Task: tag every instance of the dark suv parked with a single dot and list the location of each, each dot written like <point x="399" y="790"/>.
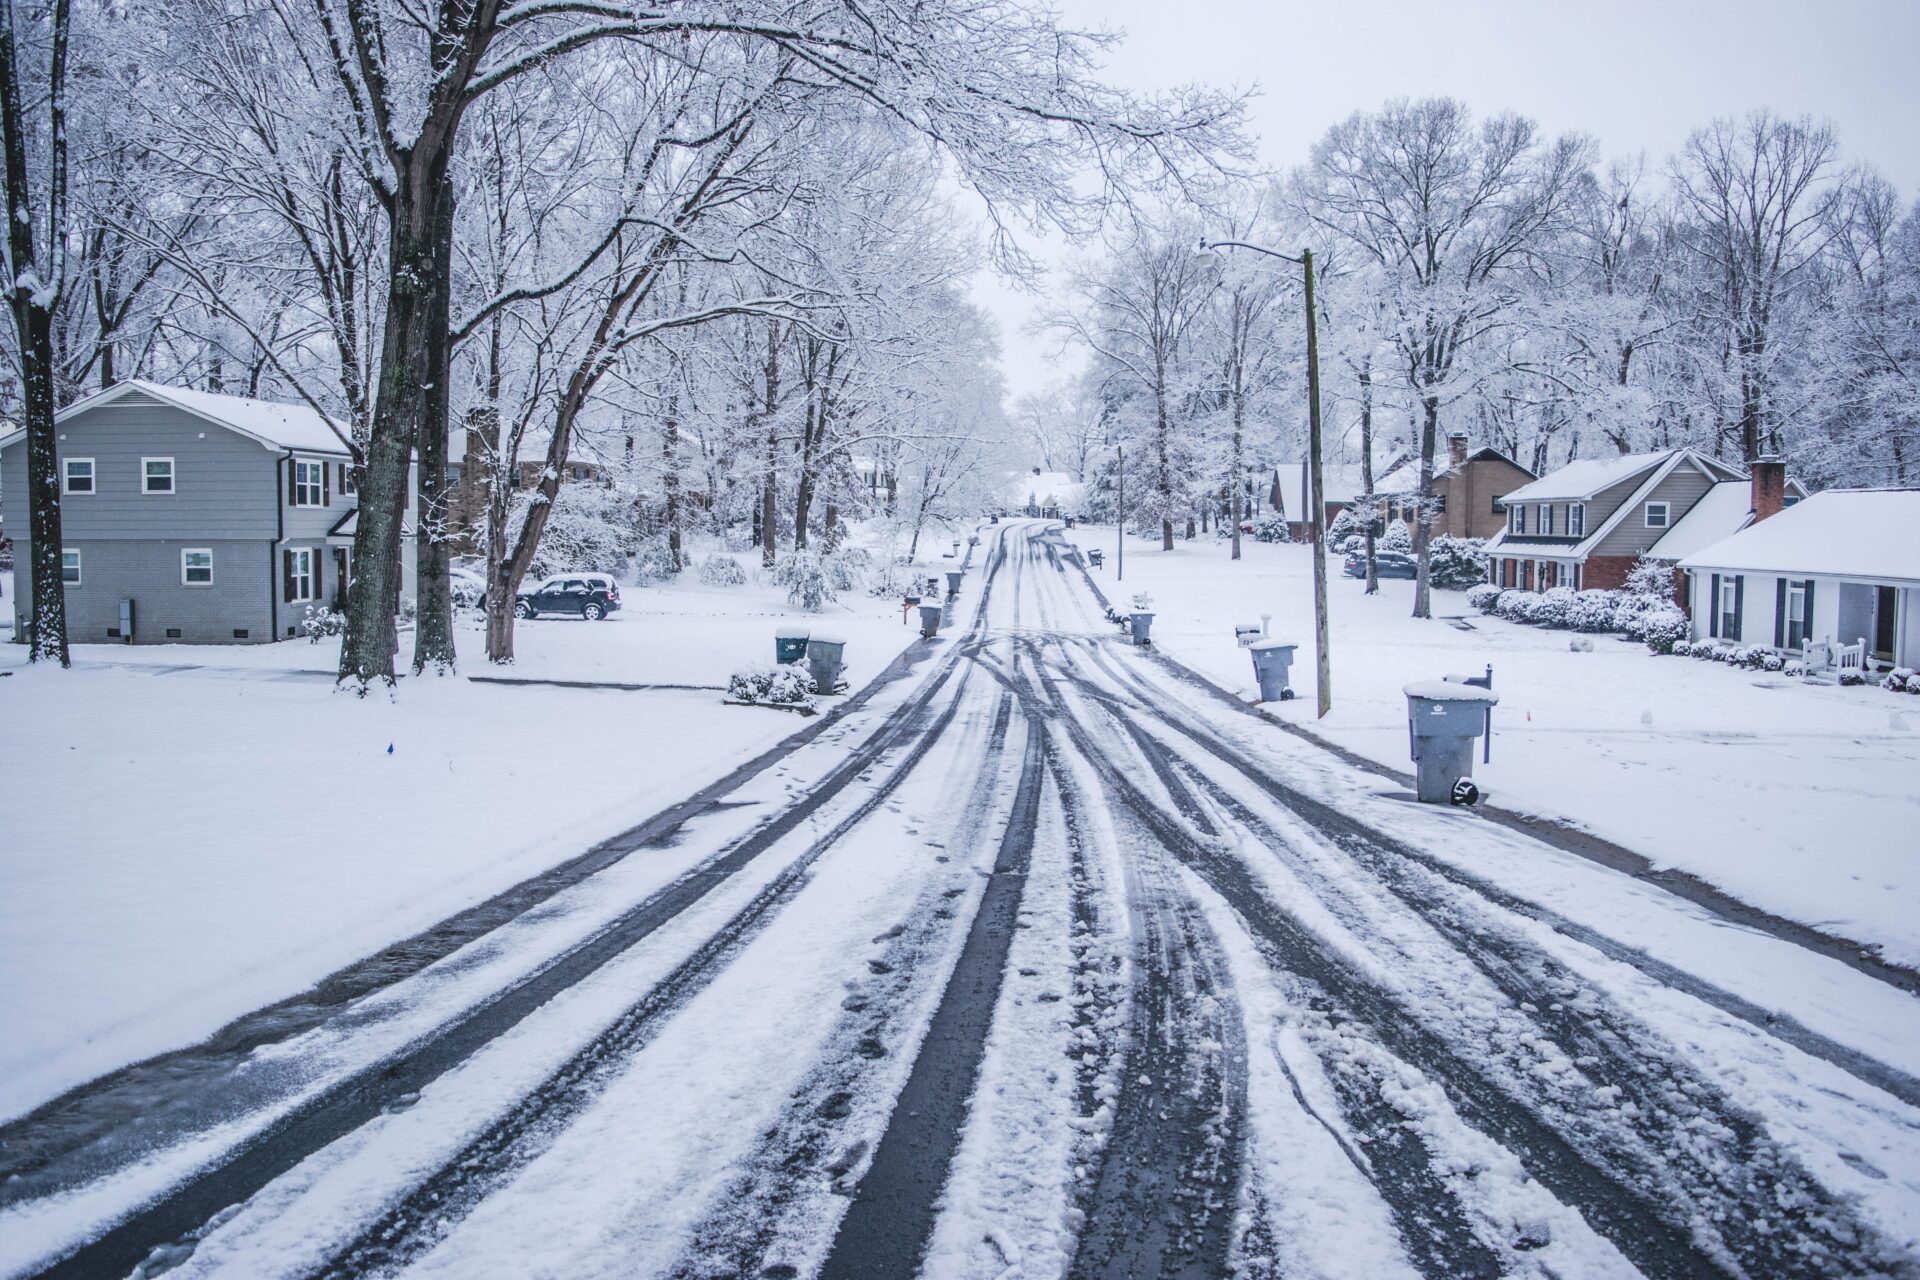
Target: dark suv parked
<point x="1387" y="564"/>
<point x="589" y="595"/>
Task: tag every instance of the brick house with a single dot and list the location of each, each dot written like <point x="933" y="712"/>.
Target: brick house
<point x="1585" y="524"/>
<point x="1467" y="490"/>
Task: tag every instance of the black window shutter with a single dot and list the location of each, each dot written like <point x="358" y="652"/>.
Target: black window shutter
<point x="1739" y="604"/>
<point x="1713" y="609"/>
<point x="293" y="482"/>
<point x="1780" y="614"/>
<point x="326" y="487"/>
<point x="319" y="559"/>
<point x="1806" y="626"/>
<point x="286" y="576"/>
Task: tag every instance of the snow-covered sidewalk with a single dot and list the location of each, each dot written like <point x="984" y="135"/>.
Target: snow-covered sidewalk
<point x="1801" y="800"/>
<point x="189" y="833"/>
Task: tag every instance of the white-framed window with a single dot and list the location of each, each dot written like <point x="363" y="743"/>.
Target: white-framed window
<point x="309" y="479"/>
<point x="156" y="475"/>
<point x="69" y="566"/>
<point x="76" y="475"/>
<point x="1546" y="520"/>
<point x="196" y="567"/>
<point x="1516" y="520"/>
<point x="348" y="486"/>
<point x="1576" y="520"/>
<point x="1730" y="608"/>
<point x="300" y="574"/>
<point x="1796" y="624"/>
<point x="1656" y="515"/>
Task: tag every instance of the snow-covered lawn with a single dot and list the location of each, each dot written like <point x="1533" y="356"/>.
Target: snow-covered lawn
<point x="187" y="833"/>
<point x="1802" y="800"/>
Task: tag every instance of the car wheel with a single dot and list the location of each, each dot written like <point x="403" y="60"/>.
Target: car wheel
<point x="592" y="611"/>
<point x="521" y="609"/>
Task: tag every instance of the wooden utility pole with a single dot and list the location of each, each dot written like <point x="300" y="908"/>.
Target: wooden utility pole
<point x="1120" y="529"/>
<point x="1323" y="671"/>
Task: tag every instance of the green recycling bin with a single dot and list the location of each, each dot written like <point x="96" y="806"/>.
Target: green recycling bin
<point x="790" y="644"/>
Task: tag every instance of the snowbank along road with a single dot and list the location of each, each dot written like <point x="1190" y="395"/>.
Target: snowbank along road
<point x="1039" y="963"/>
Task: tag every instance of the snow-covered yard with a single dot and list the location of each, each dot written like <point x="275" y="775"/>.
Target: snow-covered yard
<point x="1803" y="800"/>
<point x="188" y="833"/>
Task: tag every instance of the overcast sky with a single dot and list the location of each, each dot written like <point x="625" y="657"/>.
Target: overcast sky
<point x="1637" y="75"/>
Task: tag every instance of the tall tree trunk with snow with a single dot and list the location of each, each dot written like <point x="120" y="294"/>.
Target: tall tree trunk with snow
<point x="32" y="294"/>
<point x="1366" y="469"/>
<point x="1423" y="514"/>
<point x="433" y="534"/>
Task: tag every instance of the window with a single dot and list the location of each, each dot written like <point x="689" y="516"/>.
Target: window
<point x="1496" y="504"/>
<point x="196" y="567"/>
<point x="1789" y="500"/>
<point x="1657" y="515"/>
<point x="156" y="475"/>
<point x="1516" y="520"/>
<point x="1796" y="628"/>
<point x="1576" y="519"/>
<point x="309" y="483"/>
<point x="76" y="475"/>
<point x="1546" y="520"/>
<point x="1729" y="608"/>
<point x="348" y="486"/>
<point x="69" y="567"/>
<point x="300" y="574"/>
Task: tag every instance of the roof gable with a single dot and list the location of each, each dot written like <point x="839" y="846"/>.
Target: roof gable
<point x="1866" y="533"/>
<point x="271" y="423"/>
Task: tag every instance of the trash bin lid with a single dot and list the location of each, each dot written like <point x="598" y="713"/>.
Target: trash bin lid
<point x="823" y="637"/>
<point x="792" y="633"/>
<point x="1273" y="644"/>
<point x="1446" y="691"/>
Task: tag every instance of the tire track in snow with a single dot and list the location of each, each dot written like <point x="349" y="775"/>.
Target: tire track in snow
<point x="170" y="1221"/>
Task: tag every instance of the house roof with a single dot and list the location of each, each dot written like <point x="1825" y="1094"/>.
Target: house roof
<point x="1578" y="480"/>
<point x="270" y="422"/>
<point x="1722" y="511"/>
<point x="1560" y="549"/>
<point x="1867" y="533"/>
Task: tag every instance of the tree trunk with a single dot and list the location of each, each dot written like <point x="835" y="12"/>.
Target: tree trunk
<point x="432" y="547"/>
<point x="670" y="480"/>
<point x="1366" y="469"/>
<point x="366" y="650"/>
<point x="1423" y="518"/>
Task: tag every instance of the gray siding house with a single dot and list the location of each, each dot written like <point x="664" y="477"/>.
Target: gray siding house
<point x="220" y="519"/>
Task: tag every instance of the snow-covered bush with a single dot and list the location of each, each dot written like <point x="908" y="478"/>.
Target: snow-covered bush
<point x="653" y="560"/>
<point x="1663" y="629"/>
<point x="1516" y="606"/>
<point x="1553" y="607"/>
<point x="321" y="622"/>
<point x="1794" y="667"/>
<point x="1483" y="597"/>
<point x="589" y="531"/>
<point x="847" y="567"/>
<point x="1851" y="678"/>
<point x="1456" y="563"/>
<point x="1399" y="537"/>
<point x="1681" y="648"/>
<point x="1652" y="578"/>
<point x="1594" y="610"/>
<point x="1772" y="662"/>
<point x="804" y="576"/>
<point x="722" y="571"/>
<point x="785" y="685"/>
<point x="1272" y="527"/>
<point x="1709" y="651"/>
<point x="1346" y="531"/>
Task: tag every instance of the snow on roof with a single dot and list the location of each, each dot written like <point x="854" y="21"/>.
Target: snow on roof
<point x="1721" y="512"/>
<point x="1023" y="487"/>
<point x="271" y="422"/>
<point x="1339" y="482"/>
<point x="1868" y="533"/>
<point x="1585" y="478"/>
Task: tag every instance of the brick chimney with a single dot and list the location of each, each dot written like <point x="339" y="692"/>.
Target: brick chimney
<point x="1456" y="451"/>
<point x="1769" y="486"/>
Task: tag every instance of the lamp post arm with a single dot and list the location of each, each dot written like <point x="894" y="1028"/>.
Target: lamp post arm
<point x="1206" y="244"/>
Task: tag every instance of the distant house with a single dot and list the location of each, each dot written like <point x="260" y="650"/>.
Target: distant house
<point x="1467" y="490"/>
<point x="1585" y="524"/>
<point x="1840" y="568"/>
<point x="1291" y="491"/>
<point x="214" y="519"/>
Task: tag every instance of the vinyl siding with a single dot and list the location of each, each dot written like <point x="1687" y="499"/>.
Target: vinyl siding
<point x="147" y="571"/>
<point x="1683" y="487"/>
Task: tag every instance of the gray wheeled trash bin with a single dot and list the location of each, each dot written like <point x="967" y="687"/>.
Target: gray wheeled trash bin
<point x="929" y="620"/>
<point x="790" y="645"/>
<point x="823" y="660"/>
<point x="1271" y="661"/>
<point x="1443" y="719"/>
<point x="1142" y="627"/>
<point x="953" y="583"/>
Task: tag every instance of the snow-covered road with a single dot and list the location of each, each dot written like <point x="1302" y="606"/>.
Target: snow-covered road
<point x="1046" y="964"/>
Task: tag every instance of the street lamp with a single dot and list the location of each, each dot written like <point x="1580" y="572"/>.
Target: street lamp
<point x="1318" y="517"/>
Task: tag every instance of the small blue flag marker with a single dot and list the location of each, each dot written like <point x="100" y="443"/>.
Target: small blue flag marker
<point x="389" y="748"/>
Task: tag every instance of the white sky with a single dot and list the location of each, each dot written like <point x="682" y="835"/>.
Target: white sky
<point x="1637" y="75"/>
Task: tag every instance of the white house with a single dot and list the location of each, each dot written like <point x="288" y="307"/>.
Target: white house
<point x="1841" y="567"/>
